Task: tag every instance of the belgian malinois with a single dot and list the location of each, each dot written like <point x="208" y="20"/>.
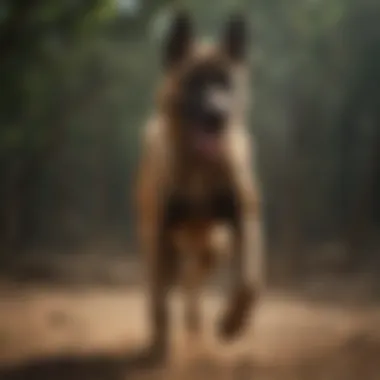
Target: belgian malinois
<point x="197" y="173"/>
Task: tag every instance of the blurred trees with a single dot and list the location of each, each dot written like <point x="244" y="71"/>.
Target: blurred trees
<point x="72" y="89"/>
<point x="76" y="84"/>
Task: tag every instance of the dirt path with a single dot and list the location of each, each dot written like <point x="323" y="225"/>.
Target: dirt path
<point x="50" y="334"/>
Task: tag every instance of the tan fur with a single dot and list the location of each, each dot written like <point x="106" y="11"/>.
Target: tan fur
<point x="164" y="166"/>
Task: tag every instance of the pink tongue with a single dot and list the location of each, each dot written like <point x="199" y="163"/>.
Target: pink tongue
<point x="206" y="145"/>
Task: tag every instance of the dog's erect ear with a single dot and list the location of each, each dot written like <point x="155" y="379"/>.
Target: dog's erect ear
<point x="235" y="37"/>
<point x="178" y="40"/>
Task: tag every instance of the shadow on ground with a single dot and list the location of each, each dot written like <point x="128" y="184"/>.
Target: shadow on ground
<point x="65" y="368"/>
<point x="356" y="359"/>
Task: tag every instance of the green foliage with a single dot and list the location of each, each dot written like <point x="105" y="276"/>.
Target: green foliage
<point x="77" y="82"/>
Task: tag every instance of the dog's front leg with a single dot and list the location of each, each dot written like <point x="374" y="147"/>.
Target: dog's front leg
<point x="246" y="269"/>
<point x="247" y="260"/>
<point x="158" y="288"/>
<point x="154" y="243"/>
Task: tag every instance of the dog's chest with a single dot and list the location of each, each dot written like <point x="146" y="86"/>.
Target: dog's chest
<point x="201" y="196"/>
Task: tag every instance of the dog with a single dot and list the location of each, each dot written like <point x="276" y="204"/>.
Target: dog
<point x="196" y="173"/>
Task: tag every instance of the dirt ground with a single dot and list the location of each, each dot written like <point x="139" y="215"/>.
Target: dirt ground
<point x="49" y="333"/>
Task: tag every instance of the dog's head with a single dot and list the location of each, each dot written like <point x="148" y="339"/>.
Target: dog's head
<point x="204" y="85"/>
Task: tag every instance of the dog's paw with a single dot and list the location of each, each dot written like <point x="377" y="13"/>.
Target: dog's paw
<point x="150" y="357"/>
<point x="237" y="315"/>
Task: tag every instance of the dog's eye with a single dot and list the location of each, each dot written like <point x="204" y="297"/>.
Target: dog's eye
<point x="193" y="82"/>
<point x="221" y="79"/>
